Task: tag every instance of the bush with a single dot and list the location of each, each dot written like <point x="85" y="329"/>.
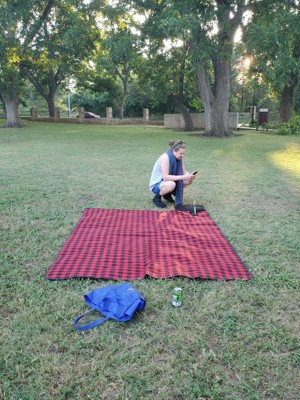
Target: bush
<point x="291" y="127"/>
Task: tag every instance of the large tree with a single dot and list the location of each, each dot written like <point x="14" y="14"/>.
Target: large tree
<point x="274" y="39"/>
<point x="214" y="28"/>
<point x="211" y="28"/>
<point x="20" y="21"/>
<point x="63" y="43"/>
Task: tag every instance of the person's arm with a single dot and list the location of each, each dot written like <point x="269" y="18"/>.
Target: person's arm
<point x="164" y="165"/>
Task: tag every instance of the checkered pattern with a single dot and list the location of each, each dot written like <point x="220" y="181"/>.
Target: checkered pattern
<point x="130" y="244"/>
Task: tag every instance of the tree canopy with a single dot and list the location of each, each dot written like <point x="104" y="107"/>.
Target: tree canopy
<point x="273" y="38"/>
<point x="168" y="54"/>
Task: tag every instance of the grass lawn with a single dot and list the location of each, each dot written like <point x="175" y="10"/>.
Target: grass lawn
<point x="229" y="340"/>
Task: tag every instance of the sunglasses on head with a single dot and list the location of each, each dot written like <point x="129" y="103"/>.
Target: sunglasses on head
<point x="178" y="143"/>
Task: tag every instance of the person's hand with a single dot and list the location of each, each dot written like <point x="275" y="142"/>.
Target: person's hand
<point x="189" y="177"/>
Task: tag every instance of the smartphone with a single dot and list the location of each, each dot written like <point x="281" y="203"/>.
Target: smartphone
<point x="195" y="172"/>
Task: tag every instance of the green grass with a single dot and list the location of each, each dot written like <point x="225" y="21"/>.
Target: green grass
<point x="229" y="340"/>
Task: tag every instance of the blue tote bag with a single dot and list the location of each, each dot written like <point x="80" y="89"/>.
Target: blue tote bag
<point x="118" y="302"/>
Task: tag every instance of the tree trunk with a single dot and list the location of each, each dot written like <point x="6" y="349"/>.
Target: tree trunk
<point x="286" y="99"/>
<point x="122" y="105"/>
<point x="11" y="104"/>
<point x="124" y="96"/>
<point x="51" y="105"/>
<point x="188" y="122"/>
<point x="4" y="109"/>
<point x="124" y="79"/>
<point x="215" y="99"/>
<point x="52" y="87"/>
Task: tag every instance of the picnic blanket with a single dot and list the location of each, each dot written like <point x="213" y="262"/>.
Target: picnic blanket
<point x="131" y="244"/>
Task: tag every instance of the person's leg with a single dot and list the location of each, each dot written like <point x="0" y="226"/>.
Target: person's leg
<point x="163" y="189"/>
<point x="167" y="187"/>
<point x="157" y="198"/>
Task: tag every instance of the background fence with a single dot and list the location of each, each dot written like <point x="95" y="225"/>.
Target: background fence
<point x="240" y="119"/>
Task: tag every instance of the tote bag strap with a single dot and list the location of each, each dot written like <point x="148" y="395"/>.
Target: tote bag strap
<point x="91" y="324"/>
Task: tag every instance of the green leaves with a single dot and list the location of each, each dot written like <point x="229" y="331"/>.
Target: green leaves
<point x="273" y="37"/>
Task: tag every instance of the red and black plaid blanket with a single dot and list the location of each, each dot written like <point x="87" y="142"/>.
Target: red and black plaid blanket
<point x="130" y="244"/>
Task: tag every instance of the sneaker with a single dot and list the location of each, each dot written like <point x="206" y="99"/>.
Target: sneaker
<point x="169" y="198"/>
<point x="157" y="201"/>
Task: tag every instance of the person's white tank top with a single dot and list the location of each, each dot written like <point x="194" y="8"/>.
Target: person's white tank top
<point x="156" y="175"/>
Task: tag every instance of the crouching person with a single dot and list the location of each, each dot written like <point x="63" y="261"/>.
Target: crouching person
<point x="169" y="176"/>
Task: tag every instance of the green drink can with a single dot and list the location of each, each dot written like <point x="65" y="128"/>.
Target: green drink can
<point x="177" y="297"/>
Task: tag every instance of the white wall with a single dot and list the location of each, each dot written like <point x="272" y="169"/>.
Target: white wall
<point x="176" y="121"/>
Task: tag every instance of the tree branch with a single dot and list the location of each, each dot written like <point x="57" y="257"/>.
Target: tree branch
<point x="25" y="71"/>
<point x="37" y="25"/>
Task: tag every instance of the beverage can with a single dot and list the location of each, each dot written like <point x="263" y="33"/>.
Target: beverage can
<point x="177" y="297"/>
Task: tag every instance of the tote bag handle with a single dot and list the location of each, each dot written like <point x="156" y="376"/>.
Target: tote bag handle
<point x="91" y="324"/>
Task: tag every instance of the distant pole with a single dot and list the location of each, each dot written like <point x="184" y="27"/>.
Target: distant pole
<point x="69" y="105"/>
